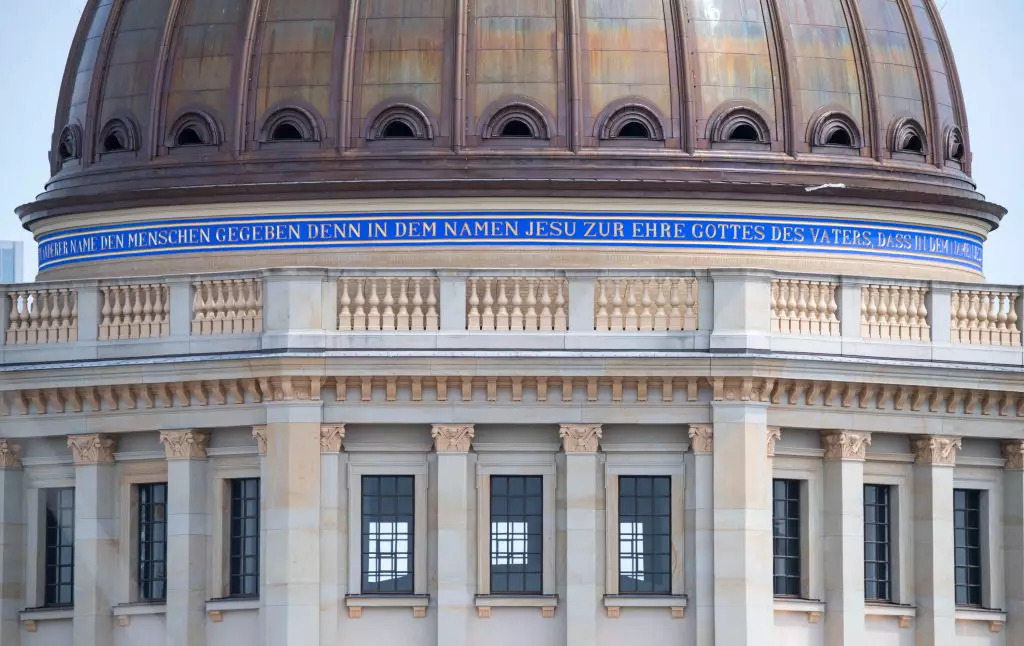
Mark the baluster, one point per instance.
(360, 316)
(954, 319)
(632, 313)
(487, 320)
(165, 311)
(25, 329)
(517, 323)
(561, 316)
(197, 309)
(433, 322)
(823, 313)
(995, 304)
(147, 310)
(922, 315)
(11, 337)
(601, 319)
(134, 295)
(124, 315)
(1002, 332)
(403, 323)
(64, 316)
(373, 318)
(616, 323)
(156, 327)
(545, 323)
(234, 319)
(257, 311)
(690, 317)
(43, 312)
(115, 313)
(974, 335)
(983, 322)
(963, 318)
(775, 325)
(886, 312)
(388, 320)
(675, 304)
(473, 322)
(345, 303)
(646, 322)
(833, 309)
(531, 305)
(417, 322)
(816, 307)
(502, 321)
(73, 318)
(1011, 322)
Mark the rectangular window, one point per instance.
(877, 543)
(153, 542)
(645, 535)
(387, 504)
(517, 516)
(59, 555)
(967, 545)
(244, 552)
(786, 534)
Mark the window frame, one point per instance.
(989, 482)
(38, 479)
(897, 475)
(891, 498)
(382, 537)
(801, 499)
(45, 565)
(137, 539)
(133, 474)
(229, 484)
(810, 472)
(223, 469)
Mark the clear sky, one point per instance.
(987, 37)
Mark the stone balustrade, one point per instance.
(984, 318)
(135, 312)
(227, 306)
(517, 304)
(805, 307)
(388, 305)
(646, 305)
(894, 313)
(39, 315)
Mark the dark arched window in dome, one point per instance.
(913, 144)
(189, 137)
(118, 135)
(634, 130)
(743, 132)
(113, 143)
(516, 128)
(286, 132)
(398, 129)
(65, 150)
(839, 137)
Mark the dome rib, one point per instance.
(862, 55)
(779, 19)
(932, 125)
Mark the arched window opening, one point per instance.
(839, 137)
(398, 129)
(957, 154)
(633, 130)
(189, 137)
(516, 128)
(286, 132)
(743, 132)
(64, 150)
(913, 144)
(113, 143)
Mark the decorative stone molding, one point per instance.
(580, 438)
(701, 438)
(742, 389)
(259, 433)
(845, 445)
(452, 438)
(935, 449)
(331, 436)
(1013, 453)
(92, 449)
(774, 435)
(9, 455)
(185, 445)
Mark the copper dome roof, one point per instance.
(178, 101)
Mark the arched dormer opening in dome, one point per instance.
(119, 135)
(956, 150)
(833, 132)
(69, 146)
(193, 130)
(290, 126)
(402, 124)
(740, 127)
(630, 122)
(908, 140)
(516, 122)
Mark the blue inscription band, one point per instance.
(665, 230)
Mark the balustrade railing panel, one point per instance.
(517, 304)
(227, 306)
(135, 312)
(805, 307)
(388, 305)
(984, 318)
(646, 305)
(894, 312)
(42, 316)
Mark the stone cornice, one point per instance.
(259, 433)
(936, 449)
(10, 455)
(1013, 453)
(845, 445)
(92, 449)
(185, 444)
(452, 438)
(580, 438)
(331, 436)
(773, 435)
(702, 438)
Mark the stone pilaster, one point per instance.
(700, 541)
(1013, 540)
(454, 574)
(744, 612)
(96, 540)
(12, 543)
(582, 524)
(188, 523)
(259, 436)
(291, 479)
(934, 458)
(332, 545)
(844, 536)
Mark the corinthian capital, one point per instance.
(935, 449)
(259, 433)
(845, 445)
(185, 445)
(92, 449)
(9, 455)
(580, 438)
(774, 435)
(701, 438)
(1013, 453)
(331, 436)
(452, 438)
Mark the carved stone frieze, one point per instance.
(773, 436)
(331, 436)
(259, 433)
(185, 444)
(10, 455)
(580, 438)
(701, 438)
(452, 438)
(1013, 453)
(92, 449)
(936, 449)
(845, 445)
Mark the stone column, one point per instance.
(582, 527)
(95, 538)
(844, 536)
(259, 434)
(331, 548)
(12, 543)
(744, 611)
(934, 582)
(700, 539)
(454, 576)
(1013, 541)
(188, 526)
(291, 484)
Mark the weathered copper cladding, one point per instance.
(883, 67)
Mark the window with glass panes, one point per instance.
(967, 546)
(152, 541)
(387, 509)
(786, 534)
(517, 517)
(877, 543)
(244, 550)
(59, 550)
(645, 535)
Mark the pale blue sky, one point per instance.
(987, 37)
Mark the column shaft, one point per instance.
(582, 592)
(933, 555)
(187, 551)
(331, 560)
(95, 553)
(700, 546)
(12, 553)
(454, 576)
(1013, 541)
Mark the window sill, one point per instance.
(811, 607)
(546, 602)
(903, 614)
(126, 611)
(676, 603)
(995, 618)
(418, 603)
(31, 617)
(215, 608)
